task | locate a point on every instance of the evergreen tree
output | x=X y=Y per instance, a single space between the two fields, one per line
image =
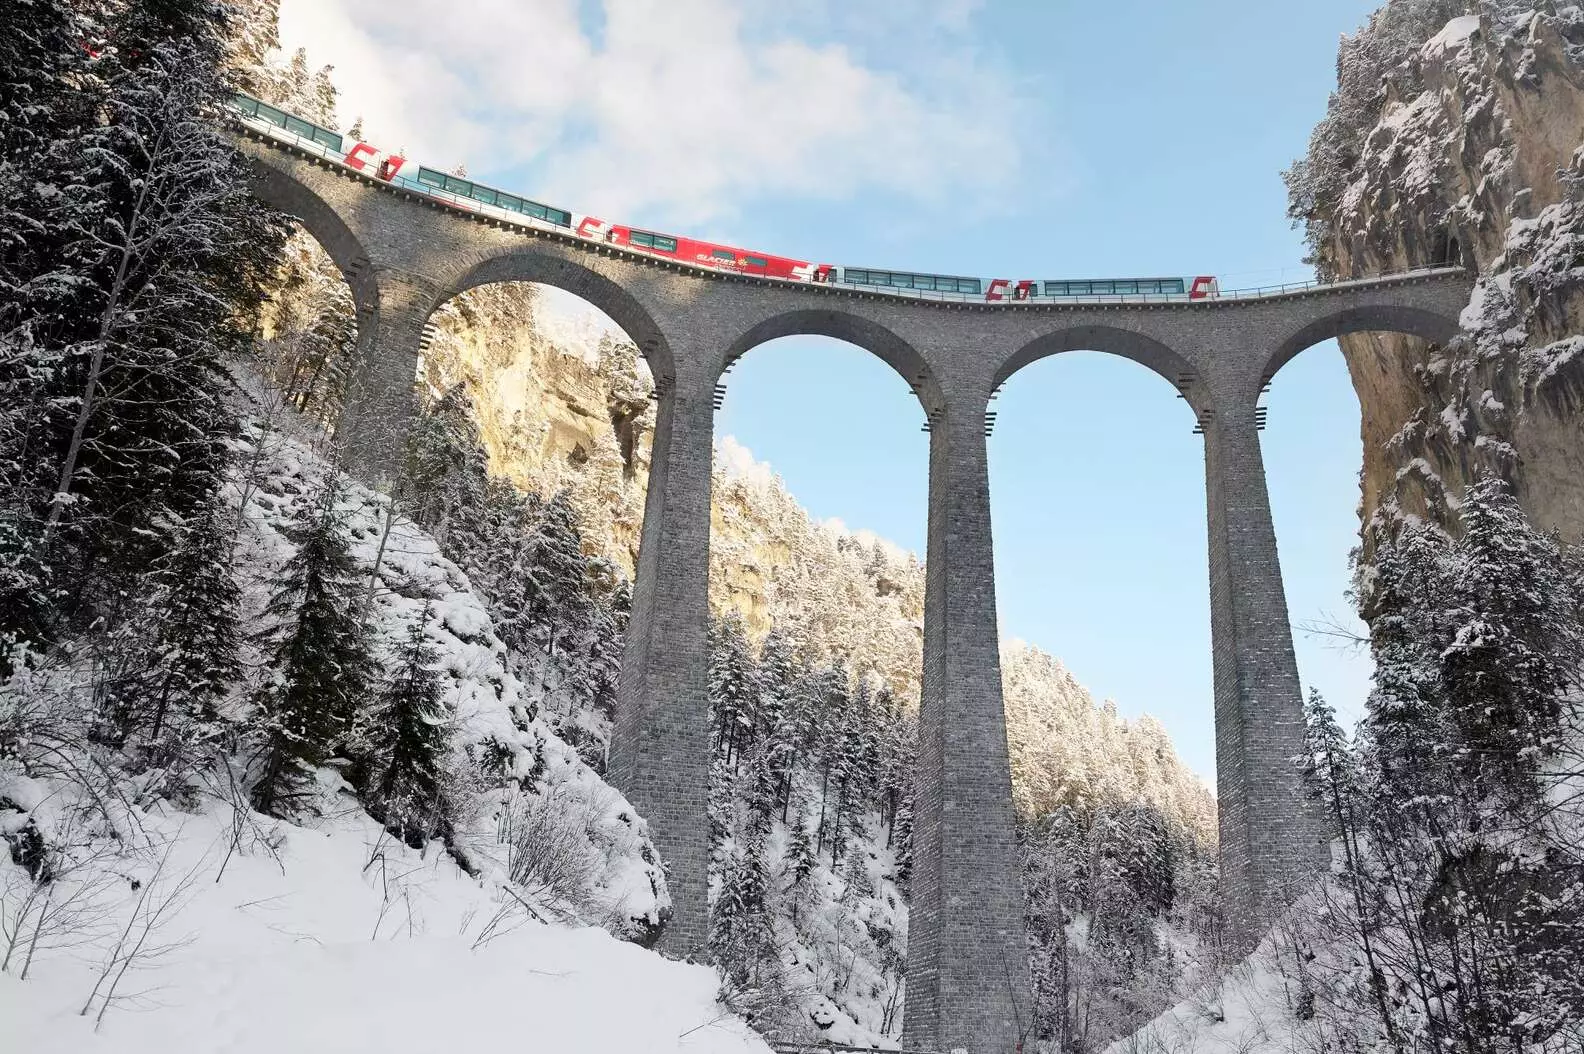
x=254 y=38
x=194 y=628
x=555 y=598
x=1515 y=647
x=734 y=689
x=403 y=741
x=146 y=252
x=742 y=929
x=446 y=471
x=1457 y=866
x=799 y=864
x=320 y=666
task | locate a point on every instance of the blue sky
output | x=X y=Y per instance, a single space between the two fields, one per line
x=1005 y=138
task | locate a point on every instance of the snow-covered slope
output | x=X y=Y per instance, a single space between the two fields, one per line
x=335 y=938
x=503 y=747
x=327 y=934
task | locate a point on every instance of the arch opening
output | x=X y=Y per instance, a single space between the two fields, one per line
x=842 y=327
x=1329 y=422
x=1099 y=504
x=555 y=397
x=1312 y=449
x=309 y=328
x=576 y=279
x=1380 y=317
x=1108 y=340
x=320 y=220
x=817 y=436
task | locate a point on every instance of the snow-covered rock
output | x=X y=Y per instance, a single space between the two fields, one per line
x=1462 y=139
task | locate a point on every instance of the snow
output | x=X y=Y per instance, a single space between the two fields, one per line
x=326 y=934
x=491 y=704
x=1455 y=34
x=351 y=943
x=738 y=462
x=1245 y=1013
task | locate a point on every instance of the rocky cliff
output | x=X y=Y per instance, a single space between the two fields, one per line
x=1456 y=134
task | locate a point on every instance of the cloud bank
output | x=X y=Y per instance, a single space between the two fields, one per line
x=682 y=110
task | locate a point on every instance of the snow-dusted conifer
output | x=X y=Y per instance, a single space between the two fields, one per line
x=155 y=251
x=742 y=930
x=403 y=740
x=734 y=689
x=194 y=630
x=320 y=665
x=556 y=598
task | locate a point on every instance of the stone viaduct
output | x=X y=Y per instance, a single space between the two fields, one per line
x=967 y=983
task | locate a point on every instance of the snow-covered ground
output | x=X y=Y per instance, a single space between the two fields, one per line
x=336 y=938
x=1249 y=1011
x=326 y=934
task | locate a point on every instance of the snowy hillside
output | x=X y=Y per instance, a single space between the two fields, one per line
x=503 y=748
x=333 y=937
x=175 y=909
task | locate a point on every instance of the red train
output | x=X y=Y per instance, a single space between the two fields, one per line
x=706 y=254
x=469 y=194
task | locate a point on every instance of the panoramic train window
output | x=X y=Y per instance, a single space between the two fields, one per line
x=1119 y=286
x=724 y=254
x=298 y=126
x=900 y=280
x=657 y=242
x=755 y=261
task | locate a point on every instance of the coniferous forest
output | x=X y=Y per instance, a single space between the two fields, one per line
x=206 y=620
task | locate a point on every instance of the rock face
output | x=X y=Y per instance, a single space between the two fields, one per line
x=1462 y=139
x=562 y=400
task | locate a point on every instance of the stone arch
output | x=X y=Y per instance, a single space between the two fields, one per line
x=854 y=329
x=575 y=277
x=325 y=225
x=1117 y=341
x=1377 y=317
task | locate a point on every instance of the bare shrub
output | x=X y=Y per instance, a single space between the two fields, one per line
x=548 y=851
x=62 y=902
x=142 y=944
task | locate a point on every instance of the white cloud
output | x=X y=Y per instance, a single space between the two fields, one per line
x=681 y=109
x=739 y=463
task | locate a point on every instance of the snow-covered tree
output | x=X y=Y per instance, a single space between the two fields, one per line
x=320 y=662
x=193 y=620
x=148 y=251
x=734 y=690
x=1459 y=880
x=403 y=740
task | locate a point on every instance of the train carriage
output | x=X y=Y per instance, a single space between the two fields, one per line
x=705 y=254
x=466 y=193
